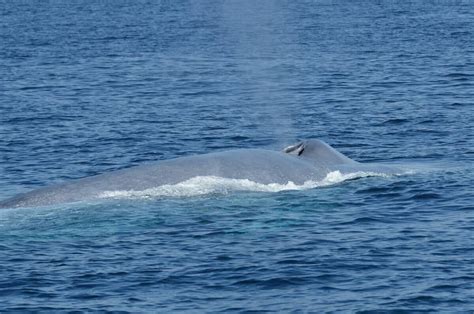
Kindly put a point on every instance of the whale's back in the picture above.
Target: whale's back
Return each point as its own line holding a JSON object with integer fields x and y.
{"x": 308, "y": 160}
{"x": 257, "y": 165}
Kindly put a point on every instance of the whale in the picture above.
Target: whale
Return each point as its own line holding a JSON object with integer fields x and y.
{"x": 307, "y": 160}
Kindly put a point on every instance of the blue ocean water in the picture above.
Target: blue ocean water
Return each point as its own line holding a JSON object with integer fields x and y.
{"x": 88, "y": 87}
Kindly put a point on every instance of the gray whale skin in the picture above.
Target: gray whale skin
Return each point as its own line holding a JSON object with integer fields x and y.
{"x": 307, "y": 160}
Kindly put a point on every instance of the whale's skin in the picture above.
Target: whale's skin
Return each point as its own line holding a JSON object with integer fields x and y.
{"x": 313, "y": 160}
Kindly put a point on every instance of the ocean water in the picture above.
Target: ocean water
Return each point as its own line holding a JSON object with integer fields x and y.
{"x": 88, "y": 87}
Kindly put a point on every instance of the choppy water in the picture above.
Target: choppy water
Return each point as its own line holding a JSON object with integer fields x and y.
{"x": 88, "y": 87}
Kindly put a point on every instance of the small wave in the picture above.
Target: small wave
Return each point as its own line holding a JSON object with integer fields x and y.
{"x": 206, "y": 185}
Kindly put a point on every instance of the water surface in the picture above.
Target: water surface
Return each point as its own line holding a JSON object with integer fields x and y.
{"x": 92, "y": 87}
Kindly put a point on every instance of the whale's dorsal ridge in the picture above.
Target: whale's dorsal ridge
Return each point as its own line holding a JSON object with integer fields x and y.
{"x": 322, "y": 153}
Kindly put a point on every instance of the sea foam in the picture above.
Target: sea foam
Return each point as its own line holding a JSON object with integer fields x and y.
{"x": 204, "y": 185}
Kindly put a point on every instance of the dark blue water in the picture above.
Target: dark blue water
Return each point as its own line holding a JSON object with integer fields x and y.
{"x": 87, "y": 87}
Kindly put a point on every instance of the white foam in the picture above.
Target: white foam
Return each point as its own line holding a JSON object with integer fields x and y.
{"x": 205, "y": 185}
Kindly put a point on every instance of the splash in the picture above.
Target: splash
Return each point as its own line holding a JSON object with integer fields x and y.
{"x": 208, "y": 185}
